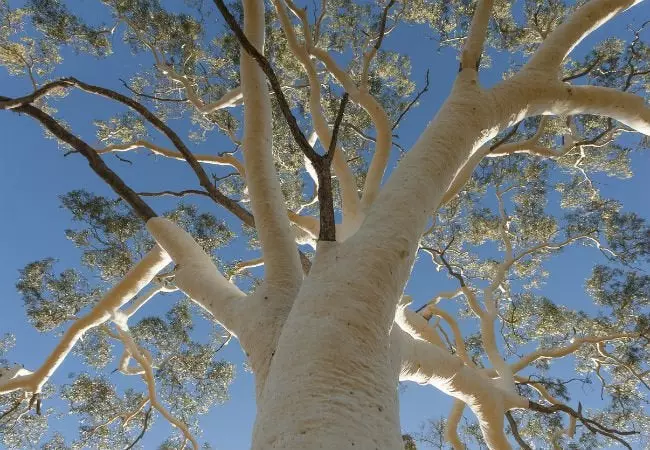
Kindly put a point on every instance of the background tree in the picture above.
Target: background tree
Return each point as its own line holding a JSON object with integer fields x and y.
{"x": 309, "y": 100}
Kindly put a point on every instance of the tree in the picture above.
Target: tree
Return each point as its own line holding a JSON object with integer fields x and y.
{"x": 501, "y": 181}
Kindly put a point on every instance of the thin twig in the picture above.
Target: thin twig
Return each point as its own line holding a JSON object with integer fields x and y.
{"x": 153, "y": 97}
{"x": 173, "y": 193}
{"x": 592, "y": 425}
{"x": 144, "y": 430}
{"x": 413, "y": 102}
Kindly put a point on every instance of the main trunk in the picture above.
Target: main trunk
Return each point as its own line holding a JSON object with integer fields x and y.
{"x": 331, "y": 384}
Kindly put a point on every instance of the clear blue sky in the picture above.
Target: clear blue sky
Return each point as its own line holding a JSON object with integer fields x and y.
{"x": 33, "y": 173}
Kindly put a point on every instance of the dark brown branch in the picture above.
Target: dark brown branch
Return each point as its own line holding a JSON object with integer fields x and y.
{"x": 124, "y": 160}
{"x": 12, "y": 103}
{"x": 505, "y": 138}
{"x": 173, "y": 193}
{"x": 452, "y": 272}
{"x": 335, "y": 131}
{"x": 141, "y": 208}
{"x": 204, "y": 179}
{"x": 413, "y": 102}
{"x": 320, "y": 163}
{"x": 153, "y": 97}
{"x": 96, "y": 163}
{"x": 325, "y": 199}
{"x": 382, "y": 24}
{"x": 35, "y": 400}
{"x": 582, "y": 73}
{"x": 366, "y": 137}
{"x": 144, "y": 430}
{"x": 12, "y": 409}
{"x": 592, "y": 425}
{"x": 515, "y": 432}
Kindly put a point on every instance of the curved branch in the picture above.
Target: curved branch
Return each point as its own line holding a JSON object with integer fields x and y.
{"x": 11, "y": 103}
{"x": 592, "y": 425}
{"x": 196, "y": 274}
{"x": 627, "y": 108}
{"x": 203, "y": 177}
{"x": 220, "y": 160}
{"x": 369, "y": 55}
{"x": 383, "y": 126}
{"x": 451, "y": 428}
{"x": 559, "y": 352}
{"x": 425, "y": 363}
{"x": 267, "y": 201}
{"x": 148, "y": 377}
{"x": 515, "y": 432}
{"x": 561, "y": 41}
{"x": 349, "y": 196}
{"x": 134, "y": 281}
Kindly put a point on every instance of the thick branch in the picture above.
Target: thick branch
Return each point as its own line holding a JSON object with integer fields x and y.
{"x": 627, "y": 108}
{"x": 425, "y": 363}
{"x": 11, "y": 103}
{"x": 196, "y": 274}
{"x": 264, "y": 64}
{"x": 266, "y": 198}
{"x": 579, "y": 25}
{"x": 471, "y": 56}
{"x": 451, "y": 428}
{"x": 327, "y": 230}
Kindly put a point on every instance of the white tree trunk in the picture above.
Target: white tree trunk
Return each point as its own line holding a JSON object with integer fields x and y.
{"x": 331, "y": 384}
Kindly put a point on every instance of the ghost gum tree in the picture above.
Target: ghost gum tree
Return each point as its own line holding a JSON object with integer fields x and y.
{"x": 311, "y": 100}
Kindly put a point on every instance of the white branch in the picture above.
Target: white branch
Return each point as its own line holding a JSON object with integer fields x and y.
{"x": 579, "y": 25}
{"x": 627, "y": 108}
{"x": 425, "y": 363}
{"x": 134, "y": 281}
{"x": 196, "y": 274}
{"x": 451, "y": 428}
{"x": 381, "y": 121}
{"x": 224, "y": 160}
{"x": 559, "y": 352}
{"x": 414, "y": 324}
{"x": 148, "y": 377}
{"x": 282, "y": 264}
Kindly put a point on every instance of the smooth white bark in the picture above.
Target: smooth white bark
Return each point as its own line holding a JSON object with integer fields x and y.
{"x": 331, "y": 384}
{"x": 559, "y": 43}
{"x": 134, "y": 281}
{"x": 196, "y": 274}
{"x": 276, "y": 237}
{"x": 224, "y": 160}
{"x": 425, "y": 363}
